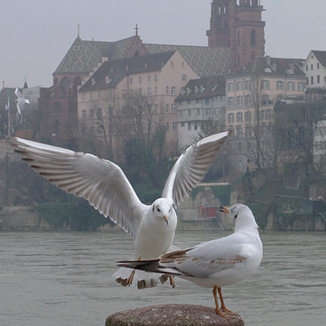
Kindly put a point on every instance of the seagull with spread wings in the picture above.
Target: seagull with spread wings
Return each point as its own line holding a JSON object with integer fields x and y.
{"x": 106, "y": 188}
{"x": 21, "y": 101}
{"x": 215, "y": 263}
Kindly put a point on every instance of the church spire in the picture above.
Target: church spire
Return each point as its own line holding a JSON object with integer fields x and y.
{"x": 136, "y": 28}
{"x": 78, "y": 26}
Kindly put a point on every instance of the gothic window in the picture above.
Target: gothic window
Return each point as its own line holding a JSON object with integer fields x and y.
{"x": 65, "y": 85}
{"x": 57, "y": 108}
{"x": 253, "y": 38}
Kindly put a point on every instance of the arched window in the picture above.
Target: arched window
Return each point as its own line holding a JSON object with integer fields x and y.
{"x": 65, "y": 84}
{"x": 57, "y": 107}
{"x": 253, "y": 38}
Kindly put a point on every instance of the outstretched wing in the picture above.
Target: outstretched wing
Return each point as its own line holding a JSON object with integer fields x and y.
{"x": 99, "y": 181}
{"x": 192, "y": 166}
{"x": 19, "y": 95}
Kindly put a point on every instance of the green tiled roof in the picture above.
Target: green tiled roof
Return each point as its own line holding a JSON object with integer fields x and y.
{"x": 84, "y": 56}
{"x": 204, "y": 61}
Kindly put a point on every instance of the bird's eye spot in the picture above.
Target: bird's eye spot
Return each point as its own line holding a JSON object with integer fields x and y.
{"x": 235, "y": 216}
{"x": 158, "y": 209}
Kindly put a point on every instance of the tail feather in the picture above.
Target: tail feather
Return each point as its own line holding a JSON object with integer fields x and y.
{"x": 150, "y": 266}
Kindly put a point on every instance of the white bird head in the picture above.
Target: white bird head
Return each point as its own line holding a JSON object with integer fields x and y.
{"x": 162, "y": 208}
{"x": 241, "y": 215}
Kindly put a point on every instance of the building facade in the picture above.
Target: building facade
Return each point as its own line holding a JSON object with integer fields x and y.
{"x": 238, "y": 25}
{"x": 252, "y": 91}
{"x": 200, "y": 105}
{"x": 315, "y": 70}
{"x": 118, "y": 92}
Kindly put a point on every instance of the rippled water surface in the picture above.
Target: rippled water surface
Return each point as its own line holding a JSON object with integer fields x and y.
{"x": 66, "y": 279}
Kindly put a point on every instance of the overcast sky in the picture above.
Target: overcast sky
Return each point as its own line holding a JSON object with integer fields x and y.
{"x": 36, "y": 34}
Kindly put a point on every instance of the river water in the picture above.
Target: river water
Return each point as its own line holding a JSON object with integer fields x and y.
{"x": 66, "y": 279}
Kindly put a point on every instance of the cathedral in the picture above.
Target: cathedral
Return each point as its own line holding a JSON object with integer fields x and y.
{"x": 237, "y": 25}
{"x": 236, "y": 35}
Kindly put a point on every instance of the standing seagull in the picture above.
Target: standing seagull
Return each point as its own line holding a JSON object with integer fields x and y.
{"x": 105, "y": 186}
{"x": 21, "y": 101}
{"x": 215, "y": 263}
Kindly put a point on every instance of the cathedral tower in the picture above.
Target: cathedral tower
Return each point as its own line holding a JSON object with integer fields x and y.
{"x": 237, "y": 24}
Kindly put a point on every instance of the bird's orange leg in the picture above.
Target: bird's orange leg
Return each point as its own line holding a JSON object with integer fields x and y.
{"x": 172, "y": 281}
{"x": 218, "y": 311}
{"x": 223, "y": 308}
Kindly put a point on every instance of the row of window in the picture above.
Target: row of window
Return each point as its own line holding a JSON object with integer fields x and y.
{"x": 263, "y": 115}
{"x": 169, "y": 90}
{"x": 265, "y": 84}
{"x": 191, "y": 126}
{"x": 99, "y": 113}
{"x": 189, "y": 113}
{"x": 248, "y": 102}
{"x": 312, "y": 66}
{"x": 248, "y": 131}
{"x": 207, "y": 101}
{"x": 149, "y": 78}
{"x": 312, "y": 80}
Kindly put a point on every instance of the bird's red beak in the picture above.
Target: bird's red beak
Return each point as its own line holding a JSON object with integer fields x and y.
{"x": 224, "y": 209}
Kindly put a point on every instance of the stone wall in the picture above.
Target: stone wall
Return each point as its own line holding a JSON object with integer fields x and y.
{"x": 188, "y": 212}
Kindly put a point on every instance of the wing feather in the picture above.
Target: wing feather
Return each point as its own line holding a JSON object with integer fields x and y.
{"x": 99, "y": 181}
{"x": 192, "y": 166}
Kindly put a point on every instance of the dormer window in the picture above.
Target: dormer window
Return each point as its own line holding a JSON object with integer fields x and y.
{"x": 188, "y": 90}
{"x": 107, "y": 79}
{"x": 202, "y": 88}
{"x": 196, "y": 89}
{"x": 93, "y": 82}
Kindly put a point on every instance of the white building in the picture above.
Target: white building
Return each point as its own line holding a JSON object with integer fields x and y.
{"x": 315, "y": 69}
{"x": 201, "y": 100}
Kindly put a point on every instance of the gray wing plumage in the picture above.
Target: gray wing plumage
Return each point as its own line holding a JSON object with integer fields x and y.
{"x": 99, "y": 181}
{"x": 192, "y": 166}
